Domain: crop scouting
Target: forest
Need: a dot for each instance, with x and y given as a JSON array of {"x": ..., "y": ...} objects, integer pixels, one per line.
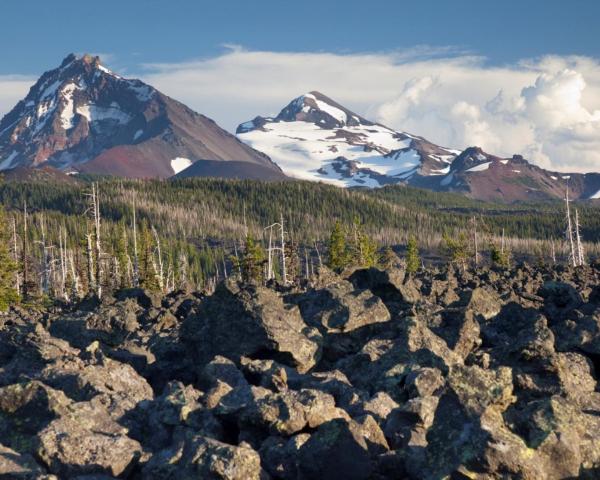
[{"x": 61, "y": 241}]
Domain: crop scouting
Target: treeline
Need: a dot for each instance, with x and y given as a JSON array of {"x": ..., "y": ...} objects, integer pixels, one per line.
[{"x": 66, "y": 241}]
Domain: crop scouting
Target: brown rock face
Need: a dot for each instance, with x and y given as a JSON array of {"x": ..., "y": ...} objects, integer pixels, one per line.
[{"x": 83, "y": 117}]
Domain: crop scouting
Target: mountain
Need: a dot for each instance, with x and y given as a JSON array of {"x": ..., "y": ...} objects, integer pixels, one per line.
[
  {"x": 316, "y": 138},
  {"x": 83, "y": 117},
  {"x": 488, "y": 177},
  {"x": 231, "y": 169}
]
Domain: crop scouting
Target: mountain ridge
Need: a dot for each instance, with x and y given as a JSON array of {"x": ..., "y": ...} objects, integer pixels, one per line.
[
  {"x": 316, "y": 138},
  {"x": 83, "y": 117}
]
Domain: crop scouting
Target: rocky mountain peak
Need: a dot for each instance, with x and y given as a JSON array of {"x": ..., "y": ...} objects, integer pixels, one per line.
[
  {"x": 81, "y": 116},
  {"x": 314, "y": 107}
]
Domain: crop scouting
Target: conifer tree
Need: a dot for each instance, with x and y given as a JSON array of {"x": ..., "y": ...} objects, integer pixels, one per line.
[
  {"x": 146, "y": 245},
  {"x": 122, "y": 258},
  {"x": 253, "y": 261},
  {"x": 338, "y": 255},
  {"x": 362, "y": 250},
  {"x": 457, "y": 249},
  {"x": 413, "y": 262},
  {"x": 8, "y": 267},
  {"x": 500, "y": 257}
]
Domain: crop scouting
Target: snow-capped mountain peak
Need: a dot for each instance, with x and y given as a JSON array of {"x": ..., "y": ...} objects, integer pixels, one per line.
[
  {"x": 316, "y": 138},
  {"x": 82, "y": 116}
]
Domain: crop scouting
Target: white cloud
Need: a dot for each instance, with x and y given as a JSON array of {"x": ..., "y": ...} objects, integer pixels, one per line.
[
  {"x": 546, "y": 109},
  {"x": 12, "y": 89}
]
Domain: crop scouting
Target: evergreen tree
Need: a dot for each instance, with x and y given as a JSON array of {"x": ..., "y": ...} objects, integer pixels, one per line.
[
  {"x": 122, "y": 258},
  {"x": 363, "y": 249},
  {"x": 498, "y": 257},
  {"x": 8, "y": 267},
  {"x": 337, "y": 255},
  {"x": 457, "y": 249},
  {"x": 413, "y": 262},
  {"x": 146, "y": 246},
  {"x": 253, "y": 261}
]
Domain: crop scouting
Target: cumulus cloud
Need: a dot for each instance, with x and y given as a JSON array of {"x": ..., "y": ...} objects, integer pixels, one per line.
[{"x": 547, "y": 109}]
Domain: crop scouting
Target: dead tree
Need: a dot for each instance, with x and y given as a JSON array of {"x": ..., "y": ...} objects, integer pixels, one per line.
[
  {"x": 158, "y": 264},
  {"x": 136, "y": 265},
  {"x": 95, "y": 246},
  {"x": 45, "y": 258},
  {"x": 580, "y": 253},
  {"x": 15, "y": 254},
  {"x": 318, "y": 255},
  {"x": 62, "y": 245},
  {"x": 475, "y": 245},
  {"x": 24, "y": 254},
  {"x": 283, "y": 269},
  {"x": 90, "y": 262},
  {"x": 573, "y": 258},
  {"x": 280, "y": 248}
]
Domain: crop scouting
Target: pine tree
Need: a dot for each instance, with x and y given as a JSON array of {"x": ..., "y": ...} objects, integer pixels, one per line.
[
  {"x": 362, "y": 249},
  {"x": 499, "y": 257},
  {"x": 457, "y": 249},
  {"x": 8, "y": 267},
  {"x": 413, "y": 262},
  {"x": 146, "y": 245},
  {"x": 338, "y": 255},
  {"x": 122, "y": 258},
  {"x": 253, "y": 261}
]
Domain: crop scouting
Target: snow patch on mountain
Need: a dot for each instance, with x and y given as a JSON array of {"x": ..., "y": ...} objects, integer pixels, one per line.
[
  {"x": 179, "y": 164},
  {"x": 302, "y": 148},
  {"x": 94, "y": 113},
  {"x": 8, "y": 161},
  {"x": 479, "y": 168},
  {"x": 67, "y": 113},
  {"x": 336, "y": 113}
]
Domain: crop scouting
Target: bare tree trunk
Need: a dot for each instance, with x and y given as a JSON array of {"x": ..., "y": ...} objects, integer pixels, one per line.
[
  {"x": 159, "y": 270},
  {"x": 306, "y": 269},
  {"x": 24, "y": 253},
  {"x": 75, "y": 276},
  {"x": 45, "y": 259},
  {"x": 552, "y": 251},
  {"x": 97, "y": 241},
  {"x": 183, "y": 264},
  {"x": 475, "y": 242},
  {"x": 283, "y": 268},
  {"x": 136, "y": 265},
  {"x": 580, "y": 253},
  {"x": 15, "y": 253},
  {"x": 569, "y": 232},
  {"x": 270, "y": 255},
  {"x": 225, "y": 275},
  {"x": 502, "y": 243},
  {"x": 62, "y": 241},
  {"x": 318, "y": 255},
  {"x": 90, "y": 263}
]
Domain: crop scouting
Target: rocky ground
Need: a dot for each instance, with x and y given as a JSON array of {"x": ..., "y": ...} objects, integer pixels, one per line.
[{"x": 368, "y": 375}]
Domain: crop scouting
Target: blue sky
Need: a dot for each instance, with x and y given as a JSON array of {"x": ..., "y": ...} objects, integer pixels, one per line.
[
  {"x": 36, "y": 34},
  {"x": 508, "y": 76}
]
